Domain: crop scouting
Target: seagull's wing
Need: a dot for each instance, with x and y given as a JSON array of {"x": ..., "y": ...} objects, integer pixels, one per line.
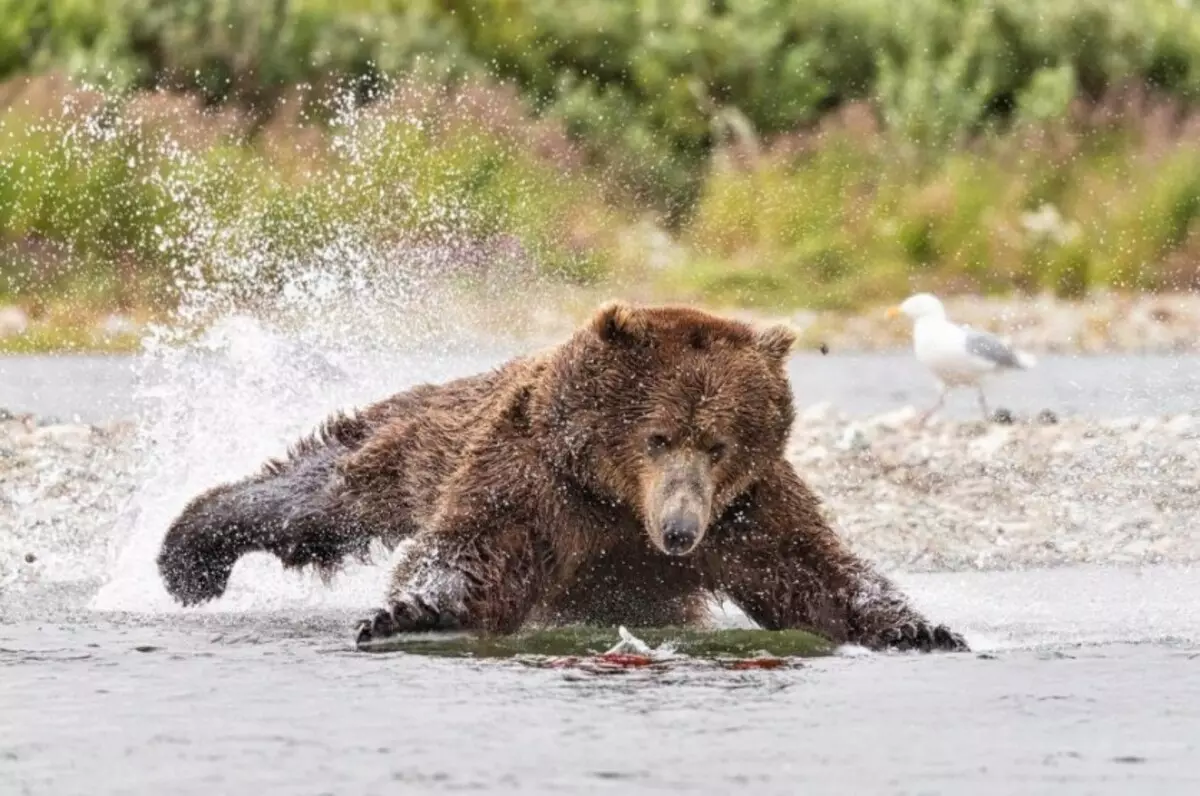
[{"x": 992, "y": 349}]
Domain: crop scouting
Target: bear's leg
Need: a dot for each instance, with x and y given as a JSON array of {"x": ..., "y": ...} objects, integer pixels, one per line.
[
  {"x": 504, "y": 529},
  {"x": 775, "y": 556},
  {"x": 290, "y": 514},
  {"x": 448, "y": 581},
  {"x": 203, "y": 544}
]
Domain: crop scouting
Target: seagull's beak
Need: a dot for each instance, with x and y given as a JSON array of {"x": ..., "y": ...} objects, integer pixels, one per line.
[{"x": 892, "y": 312}]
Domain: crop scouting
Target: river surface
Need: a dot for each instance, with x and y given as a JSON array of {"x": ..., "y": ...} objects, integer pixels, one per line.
[
  {"x": 1081, "y": 680},
  {"x": 101, "y": 388}
]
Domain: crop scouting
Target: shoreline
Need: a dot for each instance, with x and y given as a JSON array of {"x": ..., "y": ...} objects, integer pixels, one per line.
[{"x": 1103, "y": 323}]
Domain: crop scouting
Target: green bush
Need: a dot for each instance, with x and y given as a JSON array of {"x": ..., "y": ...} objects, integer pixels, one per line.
[
  {"x": 1011, "y": 144},
  {"x": 848, "y": 222},
  {"x": 646, "y": 85},
  {"x": 117, "y": 193}
]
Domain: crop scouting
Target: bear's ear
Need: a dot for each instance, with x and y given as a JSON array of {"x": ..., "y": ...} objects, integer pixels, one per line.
[
  {"x": 617, "y": 322},
  {"x": 776, "y": 342}
]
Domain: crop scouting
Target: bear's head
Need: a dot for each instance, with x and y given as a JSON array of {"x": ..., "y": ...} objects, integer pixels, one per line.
[{"x": 669, "y": 411}]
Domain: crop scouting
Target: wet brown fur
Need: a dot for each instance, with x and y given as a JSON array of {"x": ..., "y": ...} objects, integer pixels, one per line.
[{"x": 528, "y": 494}]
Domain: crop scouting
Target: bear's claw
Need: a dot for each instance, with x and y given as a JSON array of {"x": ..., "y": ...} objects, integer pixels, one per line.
[
  {"x": 403, "y": 617},
  {"x": 385, "y": 623},
  {"x": 923, "y": 637}
]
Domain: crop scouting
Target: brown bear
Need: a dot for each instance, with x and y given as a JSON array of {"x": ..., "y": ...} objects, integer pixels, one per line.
[{"x": 621, "y": 477}]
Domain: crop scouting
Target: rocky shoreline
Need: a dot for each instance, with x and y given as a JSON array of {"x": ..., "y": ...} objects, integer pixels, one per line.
[
  {"x": 1103, "y": 323},
  {"x": 953, "y": 496},
  {"x": 947, "y": 496},
  {"x": 1112, "y": 323},
  {"x": 62, "y": 487}
]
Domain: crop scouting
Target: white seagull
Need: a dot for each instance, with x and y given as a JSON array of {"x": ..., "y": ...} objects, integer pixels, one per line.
[{"x": 958, "y": 356}]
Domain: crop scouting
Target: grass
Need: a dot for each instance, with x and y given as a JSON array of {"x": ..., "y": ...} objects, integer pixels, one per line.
[
  {"x": 68, "y": 338},
  {"x": 647, "y": 88},
  {"x": 850, "y": 218},
  {"x": 119, "y": 204}
]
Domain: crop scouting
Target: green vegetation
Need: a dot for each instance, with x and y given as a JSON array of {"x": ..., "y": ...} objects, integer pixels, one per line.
[
  {"x": 1060, "y": 209},
  {"x": 649, "y": 86},
  {"x": 829, "y": 153},
  {"x": 106, "y": 203}
]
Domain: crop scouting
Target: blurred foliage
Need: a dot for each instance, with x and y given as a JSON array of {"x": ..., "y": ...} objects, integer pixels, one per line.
[
  {"x": 109, "y": 200},
  {"x": 1108, "y": 197},
  {"x": 770, "y": 153},
  {"x": 119, "y": 196},
  {"x": 649, "y": 86}
]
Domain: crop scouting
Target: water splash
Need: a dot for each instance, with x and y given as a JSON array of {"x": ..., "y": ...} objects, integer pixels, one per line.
[{"x": 266, "y": 342}]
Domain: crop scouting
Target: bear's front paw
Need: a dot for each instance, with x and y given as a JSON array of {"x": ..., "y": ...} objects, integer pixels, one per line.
[
  {"x": 920, "y": 636},
  {"x": 193, "y": 573},
  {"x": 386, "y": 622},
  {"x": 404, "y": 616},
  {"x": 373, "y": 629}
]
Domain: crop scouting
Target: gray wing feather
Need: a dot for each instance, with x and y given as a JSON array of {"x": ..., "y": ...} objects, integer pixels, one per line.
[{"x": 986, "y": 346}]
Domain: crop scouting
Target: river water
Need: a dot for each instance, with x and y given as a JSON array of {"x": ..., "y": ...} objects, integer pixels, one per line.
[
  {"x": 1081, "y": 680},
  {"x": 101, "y": 388}
]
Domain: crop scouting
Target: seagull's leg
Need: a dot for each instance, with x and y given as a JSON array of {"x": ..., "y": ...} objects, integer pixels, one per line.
[
  {"x": 940, "y": 402},
  {"x": 983, "y": 404}
]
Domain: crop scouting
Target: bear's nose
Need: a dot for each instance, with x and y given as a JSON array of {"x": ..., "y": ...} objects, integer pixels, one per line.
[{"x": 679, "y": 534}]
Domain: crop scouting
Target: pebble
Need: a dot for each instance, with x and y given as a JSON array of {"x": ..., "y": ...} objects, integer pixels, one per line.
[
  {"x": 1047, "y": 417},
  {"x": 1003, "y": 417},
  {"x": 853, "y": 438},
  {"x": 1180, "y": 424},
  {"x": 895, "y": 420},
  {"x": 987, "y": 446}
]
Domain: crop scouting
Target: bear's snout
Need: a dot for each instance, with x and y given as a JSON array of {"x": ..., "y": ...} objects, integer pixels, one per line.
[
  {"x": 680, "y": 532},
  {"x": 679, "y": 490}
]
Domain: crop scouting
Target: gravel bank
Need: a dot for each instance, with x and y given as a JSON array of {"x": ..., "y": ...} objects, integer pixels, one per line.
[
  {"x": 1112, "y": 323},
  {"x": 1102, "y": 323},
  {"x": 969, "y": 495},
  {"x": 943, "y": 497},
  {"x": 61, "y": 489}
]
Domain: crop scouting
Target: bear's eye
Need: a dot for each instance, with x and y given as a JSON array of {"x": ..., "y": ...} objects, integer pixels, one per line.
[
  {"x": 657, "y": 442},
  {"x": 716, "y": 451}
]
